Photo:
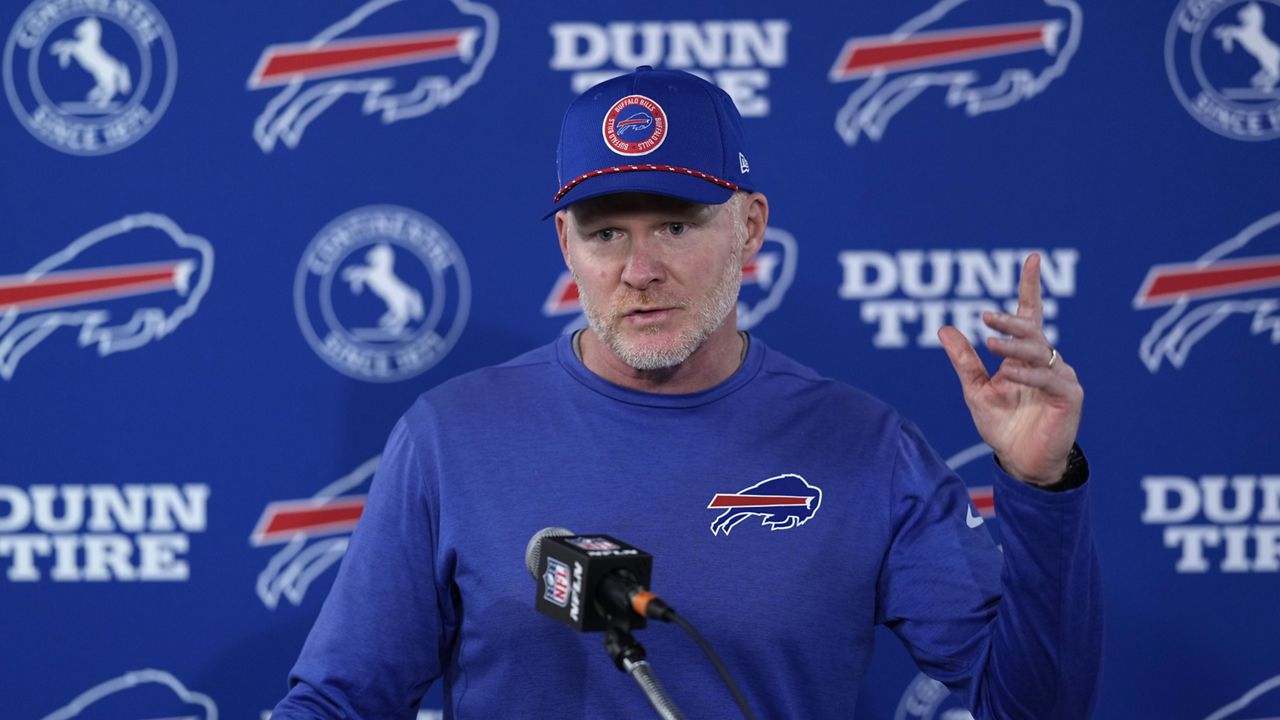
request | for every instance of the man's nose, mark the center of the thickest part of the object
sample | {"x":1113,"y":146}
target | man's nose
{"x":645,"y":264}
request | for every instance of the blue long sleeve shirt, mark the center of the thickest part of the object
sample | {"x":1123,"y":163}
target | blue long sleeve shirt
{"x":434,"y":588}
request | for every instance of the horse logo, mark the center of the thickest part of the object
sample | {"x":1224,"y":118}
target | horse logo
{"x":418,"y":300}
{"x":110,"y":76}
{"x":124,"y":49}
{"x":403,"y":302}
{"x":1235,"y":94}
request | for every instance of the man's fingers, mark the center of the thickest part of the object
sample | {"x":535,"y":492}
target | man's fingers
{"x":964,"y":359}
{"x":1036,"y":377}
{"x":1059,"y":381}
{"x":1029,"y":303}
{"x":1033,"y":351}
{"x":1016,"y":325}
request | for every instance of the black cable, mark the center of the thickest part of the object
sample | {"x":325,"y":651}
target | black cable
{"x":715,"y":660}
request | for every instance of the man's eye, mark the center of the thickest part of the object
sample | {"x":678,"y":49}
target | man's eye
{"x":607,"y":234}
{"x":677,"y":228}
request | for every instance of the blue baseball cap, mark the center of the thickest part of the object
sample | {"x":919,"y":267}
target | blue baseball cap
{"x":665,"y":132}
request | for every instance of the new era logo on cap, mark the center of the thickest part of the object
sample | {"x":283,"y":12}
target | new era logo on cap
{"x":686,"y":130}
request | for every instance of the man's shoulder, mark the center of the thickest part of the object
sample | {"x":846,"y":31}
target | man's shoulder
{"x":781,"y":368}
{"x":527,"y":372}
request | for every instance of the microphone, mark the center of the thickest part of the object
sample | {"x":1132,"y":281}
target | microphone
{"x":591,"y":581}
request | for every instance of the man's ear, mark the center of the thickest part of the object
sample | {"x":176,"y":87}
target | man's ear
{"x":757,"y":219}
{"x":562,"y":230}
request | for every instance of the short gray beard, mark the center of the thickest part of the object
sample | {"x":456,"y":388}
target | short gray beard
{"x":723,"y":299}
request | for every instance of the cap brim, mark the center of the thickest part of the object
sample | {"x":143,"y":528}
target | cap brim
{"x":654,"y":182}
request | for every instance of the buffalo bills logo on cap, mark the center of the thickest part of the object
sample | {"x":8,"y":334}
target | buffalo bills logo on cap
{"x":635,"y":125}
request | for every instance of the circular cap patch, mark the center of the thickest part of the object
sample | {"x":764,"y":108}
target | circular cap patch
{"x":635,"y":125}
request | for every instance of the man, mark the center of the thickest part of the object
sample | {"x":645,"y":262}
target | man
{"x":631,"y":426}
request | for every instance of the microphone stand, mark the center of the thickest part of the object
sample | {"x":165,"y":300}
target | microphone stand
{"x":629,"y":657}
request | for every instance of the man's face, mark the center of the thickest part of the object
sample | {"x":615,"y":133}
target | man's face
{"x":656,"y":275}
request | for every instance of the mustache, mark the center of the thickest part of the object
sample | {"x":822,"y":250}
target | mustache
{"x":647,"y":298}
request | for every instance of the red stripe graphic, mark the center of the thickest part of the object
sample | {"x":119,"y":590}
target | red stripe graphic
{"x":282,"y":521}
{"x":1166,"y":284}
{"x":729,"y":500}
{"x":70,"y":287}
{"x":984,"y":501}
{"x":862,"y":57}
{"x":281,"y":64}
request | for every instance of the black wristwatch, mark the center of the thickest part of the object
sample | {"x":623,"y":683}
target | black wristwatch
{"x":1076,"y":474}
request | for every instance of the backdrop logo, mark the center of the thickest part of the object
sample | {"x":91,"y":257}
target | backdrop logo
{"x":89,"y":78}
{"x":100,"y":532}
{"x":397,"y":74}
{"x":314,"y":532}
{"x":382,"y":293}
{"x":1230,"y":279}
{"x":734,"y":54}
{"x":122,"y":285}
{"x":911,"y":294}
{"x":764,"y":284}
{"x":1261,"y":701}
{"x":1223,"y":60}
{"x":1238,"y":520}
{"x":139,"y":694}
{"x":983,"y":67}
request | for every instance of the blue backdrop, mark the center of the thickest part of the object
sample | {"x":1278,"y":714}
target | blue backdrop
{"x":240,"y":238}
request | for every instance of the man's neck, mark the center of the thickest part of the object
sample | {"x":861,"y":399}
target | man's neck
{"x":711,"y":364}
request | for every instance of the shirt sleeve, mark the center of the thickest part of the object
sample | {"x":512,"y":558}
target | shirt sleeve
{"x":378,"y":642}
{"x":1016,"y":634}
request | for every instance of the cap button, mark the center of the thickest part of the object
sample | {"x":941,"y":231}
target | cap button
{"x":644,"y":67}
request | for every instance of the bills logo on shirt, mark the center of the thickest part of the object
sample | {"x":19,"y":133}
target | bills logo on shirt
{"x":1238,"y":277}
{"x":765,"y":281}
{"x":782,"y":502}
{"x":120,"y":286}
{"x":314,"y":531}
{"x":983,"y":67}
{"x":556,"y":578}
{"x":396,"y":72}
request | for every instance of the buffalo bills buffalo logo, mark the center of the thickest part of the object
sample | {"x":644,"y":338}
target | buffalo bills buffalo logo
{"x":636,"y":123}
{"x":400,"y":59}
{"x":781,"y":502}
{"x":982,"y":66}
{"x":1237,"y":277}
{"x":120,"y":287}
{"x":313,"y":532}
